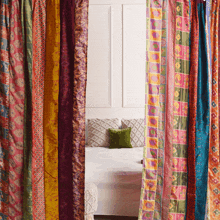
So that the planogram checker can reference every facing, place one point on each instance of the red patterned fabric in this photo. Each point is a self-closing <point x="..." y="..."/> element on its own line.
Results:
<point x="213" y="169"/>
<point x="219" y="69"/>
<point x="4" y="108"/>
<point x="191" y="190"/>
<point x="16" y="113"/>
<point x="39" y="37"/>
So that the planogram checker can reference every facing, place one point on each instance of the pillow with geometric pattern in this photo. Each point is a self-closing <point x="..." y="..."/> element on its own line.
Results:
<point x="137" y="130"/>
<point x="98" y="134"/>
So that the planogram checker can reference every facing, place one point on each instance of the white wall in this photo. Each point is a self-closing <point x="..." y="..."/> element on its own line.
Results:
<point x="116" y="59"/>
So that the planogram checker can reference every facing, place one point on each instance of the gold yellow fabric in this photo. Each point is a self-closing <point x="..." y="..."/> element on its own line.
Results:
<point x="50" y="126"/>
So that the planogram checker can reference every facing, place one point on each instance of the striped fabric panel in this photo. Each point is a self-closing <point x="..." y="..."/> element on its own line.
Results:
<point x="191" y="187"/>
<point x="39" y="38"/>
<point x="208" y="40"/>
<point x="16" y="113"/>
<point x="65" y="115"/>
<point x="179" y="177"/>
<point x="202" y="119"/>
<point x="50" y="117"/>
<point x="153" y="76"/>
<point x="218" y="87"/>
<point x="79" y="106"/>
<point x="140" y="215"/>
<point x="26" y="21"/>
<point x="168" y="152"/>
<point x="4" y="109"/>
<point x="213" y="166"/>
<point x="161" y="127"/>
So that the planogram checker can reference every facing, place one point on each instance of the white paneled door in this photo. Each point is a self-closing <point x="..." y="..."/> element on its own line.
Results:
<point x="116" y="59"/>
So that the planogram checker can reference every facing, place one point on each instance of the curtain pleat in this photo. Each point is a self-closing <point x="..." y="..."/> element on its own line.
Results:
<point x="153" y="79"/>
<point x="16" y="113"/>
<point x="65" y="127"/>
<point x="26" y="21"/>
<point x="193" y="77"/>
<point x="213" y="160"/>
<point x="4" y="109"/>
<point x="209" y="53"/>
<point x="180" y="112"/>
<point x="169" y="111"/>
<point x="50" y="111"/>
<point x="39" y="38"/>
<point x="218" y="146"/>
<point x="161" y="125"/>
<point x="202" y="120"/>
<point x="79" y="104"/>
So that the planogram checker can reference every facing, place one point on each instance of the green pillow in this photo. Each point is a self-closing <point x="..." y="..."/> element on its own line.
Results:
<point x="120" y="138"/>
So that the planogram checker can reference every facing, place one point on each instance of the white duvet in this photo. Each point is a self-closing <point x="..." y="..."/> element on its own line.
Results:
<point x="117" y="174"/>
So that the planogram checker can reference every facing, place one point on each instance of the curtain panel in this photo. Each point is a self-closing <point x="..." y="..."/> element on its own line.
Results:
<point x="180" y="178"/>
<point x="43" y="79"/>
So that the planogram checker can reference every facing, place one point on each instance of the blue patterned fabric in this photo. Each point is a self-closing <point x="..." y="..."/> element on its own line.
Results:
<point x="202" y="120"/>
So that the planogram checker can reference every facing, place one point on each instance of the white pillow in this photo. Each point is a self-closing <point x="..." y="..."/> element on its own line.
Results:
<point x="137" y="131"/>
<point x="98" y="134"/>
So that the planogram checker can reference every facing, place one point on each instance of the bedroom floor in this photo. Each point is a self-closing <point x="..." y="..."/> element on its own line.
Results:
<point x="99" y="217"/>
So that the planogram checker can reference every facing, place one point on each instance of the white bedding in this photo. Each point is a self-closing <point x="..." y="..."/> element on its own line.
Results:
<point x="117" y="174"/>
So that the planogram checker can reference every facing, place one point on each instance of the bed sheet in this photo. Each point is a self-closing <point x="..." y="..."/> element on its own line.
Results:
<point x="117" y="174"/>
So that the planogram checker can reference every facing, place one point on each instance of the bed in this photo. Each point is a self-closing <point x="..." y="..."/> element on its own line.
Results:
<point x="117" y="174"/>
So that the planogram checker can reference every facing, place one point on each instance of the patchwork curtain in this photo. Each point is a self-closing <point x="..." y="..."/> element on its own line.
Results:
<point x="180" y="178"/>
<point x="43" y="77"/>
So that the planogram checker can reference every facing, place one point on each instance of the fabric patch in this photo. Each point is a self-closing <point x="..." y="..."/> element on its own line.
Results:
<point x="155" y="25"/>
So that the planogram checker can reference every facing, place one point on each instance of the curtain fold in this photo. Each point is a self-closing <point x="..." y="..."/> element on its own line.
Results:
<point x="153" y="56"/>
<point x="202" y="119"/>
<point x="39" y="38"/>
<point x="213" y="162"/>
<point x="50" y="110"/>
<point x="161" y="125"/>
<point x="79" y="104"/>
<point x="65" y="128"/>
<point x="209" y="52"/>
<point x="150" y="174"/>
<point x="169" y="112"/>
<point x="4" y="108"/>
<point x="180" y="112"/>
<point x="193" y="78"/>
<point x="16" y="113"/>
<point x="26" y="21"/>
